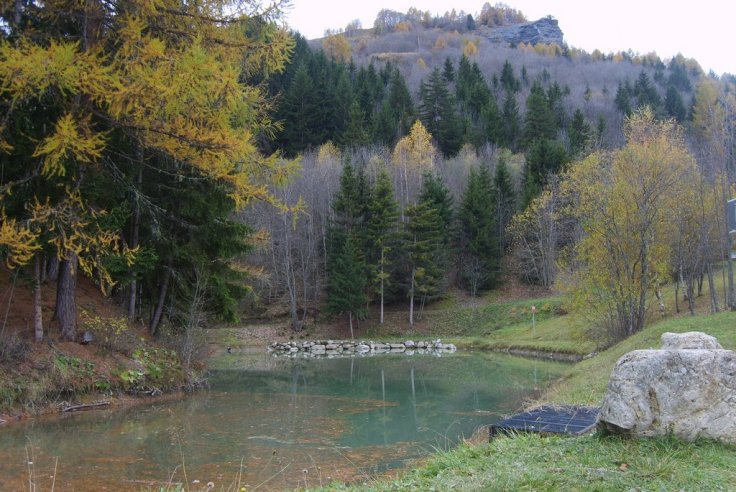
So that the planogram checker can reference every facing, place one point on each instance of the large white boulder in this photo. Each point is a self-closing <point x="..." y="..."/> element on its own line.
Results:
<point x="683" y="391"/>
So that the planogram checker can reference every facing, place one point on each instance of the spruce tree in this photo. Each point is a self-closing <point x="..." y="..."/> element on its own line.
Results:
<point x="346" y="268"/>
<point x="539" y="121"/>
<point x="505" y="200"/>
<point x="579" y="133"/>
<point x="673" y="105"/>
<point x="423" y="244"/>
<point x="448" y="71"/>
<point x="545" y="158"/>
<point x="510" y="121"/>
<point x="382" y="237"/>
<point x="301" y="108"/>
<point x="478" y="239"/>
<point x="438" y="196"/>
<point x="438" y="114"/>
<point x="508" y="80"/>
<point x="346" y="282"/>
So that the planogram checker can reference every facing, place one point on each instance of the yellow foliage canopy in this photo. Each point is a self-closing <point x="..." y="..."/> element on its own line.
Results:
<point x="415" y="150"/>
<point x="626" y="202"/>
<point x="20" y="242"/>
<point x="169" y="74"/>
<point x="337" y="47"/>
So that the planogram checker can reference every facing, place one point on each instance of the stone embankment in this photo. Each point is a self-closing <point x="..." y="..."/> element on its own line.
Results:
<point x="313" y="348"/>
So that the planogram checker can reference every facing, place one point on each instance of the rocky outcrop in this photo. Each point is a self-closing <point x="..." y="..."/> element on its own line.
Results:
<point x="690" y="340"/>
<point x="687" y="389"/>
<point x="545" y="30"/>
<point x="358" y="347"/>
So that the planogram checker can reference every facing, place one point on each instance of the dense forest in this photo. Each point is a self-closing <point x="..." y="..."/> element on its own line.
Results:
<point x="222" y="167"/>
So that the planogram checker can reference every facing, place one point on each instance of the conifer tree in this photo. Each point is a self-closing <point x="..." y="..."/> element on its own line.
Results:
<point x="448" y="71"/>
<point x="346" y="266"/>
<point x="539" y="121"/>
<point x="579" y="133"/>
<point x="382" y="237"/>
<point x="510" y="121"/>
<point x="545" y="158"/>
<point x="422" y="244"/>
<point x="438" y="196"/>
<point x="505" y="200"/>
<point x="438" y="114"/>
<point x="346" y="283"/>
<point x="355" y="133"/>
<point x="114" y="84"/>
<point x="478" y="239"/>
<point x="508" y="80"/>
<point x="673" y="105"/>
<point x="301" y="108"/>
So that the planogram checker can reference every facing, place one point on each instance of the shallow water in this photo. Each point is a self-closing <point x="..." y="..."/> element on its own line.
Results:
<point x="272" y="423"/>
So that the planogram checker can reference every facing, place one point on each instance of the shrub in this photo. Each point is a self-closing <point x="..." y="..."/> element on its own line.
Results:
<point x="109" y="334"/>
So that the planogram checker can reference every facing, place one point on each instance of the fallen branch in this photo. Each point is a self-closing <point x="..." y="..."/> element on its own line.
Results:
<point x="85" y="406"/>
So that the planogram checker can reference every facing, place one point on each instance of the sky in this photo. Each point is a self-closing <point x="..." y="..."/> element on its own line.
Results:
<point x="702" y="30"/>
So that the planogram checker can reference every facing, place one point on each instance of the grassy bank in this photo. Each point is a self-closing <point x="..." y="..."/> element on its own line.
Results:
<point x="530" y="462"/>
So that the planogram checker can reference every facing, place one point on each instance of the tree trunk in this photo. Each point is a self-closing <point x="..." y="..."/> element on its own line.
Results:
<point x="382" y="259"/>
<point x="37" y="313"/>
<point x="350" y="316"/>
<point x="730" y="295"/>
<point x="66" y="306"/>
<point x="52" y="270"/>
<point x="163" y="291"/>
<point x="411" y="300"/>
<point x="712" y="286"/>
<point x="678" y="283"/>
<point x="134" y="239"/>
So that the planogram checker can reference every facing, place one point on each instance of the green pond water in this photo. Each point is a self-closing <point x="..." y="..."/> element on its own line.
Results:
<point x="276" y="423"/>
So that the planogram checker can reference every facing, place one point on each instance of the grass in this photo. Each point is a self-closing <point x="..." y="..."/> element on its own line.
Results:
<point x="593" y="462"/>
<point x="508" y="325"/>
<point x="530" y="462"/>
<point x="586" y="382"/>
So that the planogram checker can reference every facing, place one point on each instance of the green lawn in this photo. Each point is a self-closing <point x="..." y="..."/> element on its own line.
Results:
<point x="530" y="462"/>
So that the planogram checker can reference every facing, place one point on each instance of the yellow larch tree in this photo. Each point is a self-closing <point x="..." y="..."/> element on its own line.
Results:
<point x="87" y="88"/>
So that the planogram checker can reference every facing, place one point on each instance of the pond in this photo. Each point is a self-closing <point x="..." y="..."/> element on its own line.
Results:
<point x="271" y="423"/>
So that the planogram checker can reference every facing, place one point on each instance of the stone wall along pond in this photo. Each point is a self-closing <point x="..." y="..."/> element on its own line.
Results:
<point x="321" y="348"/>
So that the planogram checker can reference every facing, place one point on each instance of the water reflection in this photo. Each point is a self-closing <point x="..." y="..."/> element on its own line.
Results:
<point x="265" y="421"/>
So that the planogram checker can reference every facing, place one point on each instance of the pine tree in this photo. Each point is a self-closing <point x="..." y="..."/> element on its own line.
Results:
<point x="508" y="80"/>
<point x="301" y="108"/>
<point x="112" y="85"/>
<point x="438" y="114"/>
<point x="382" y="236"/>
<point x="478" y="237"/>
<point x="346" y="283"/>
<point x="346" y="245"/>
<point x="579" y="133"/>
<point x="355" y="133"/>
<point x="623" y="98"/>
<point x="544" y="158"/>
<point x="448" y="71"/>
<point x="673" y="105"/>
<point x="505" y="200"/>
<point x="423" y="243"/>
<point x="438" y="196"/>
<point x="511" y="122"/>
<point x="539" y="121"/>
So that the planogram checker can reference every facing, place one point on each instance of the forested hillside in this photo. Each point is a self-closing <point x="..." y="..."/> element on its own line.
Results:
<point x="501" y="134"/>
<point x="216" y="168"/>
